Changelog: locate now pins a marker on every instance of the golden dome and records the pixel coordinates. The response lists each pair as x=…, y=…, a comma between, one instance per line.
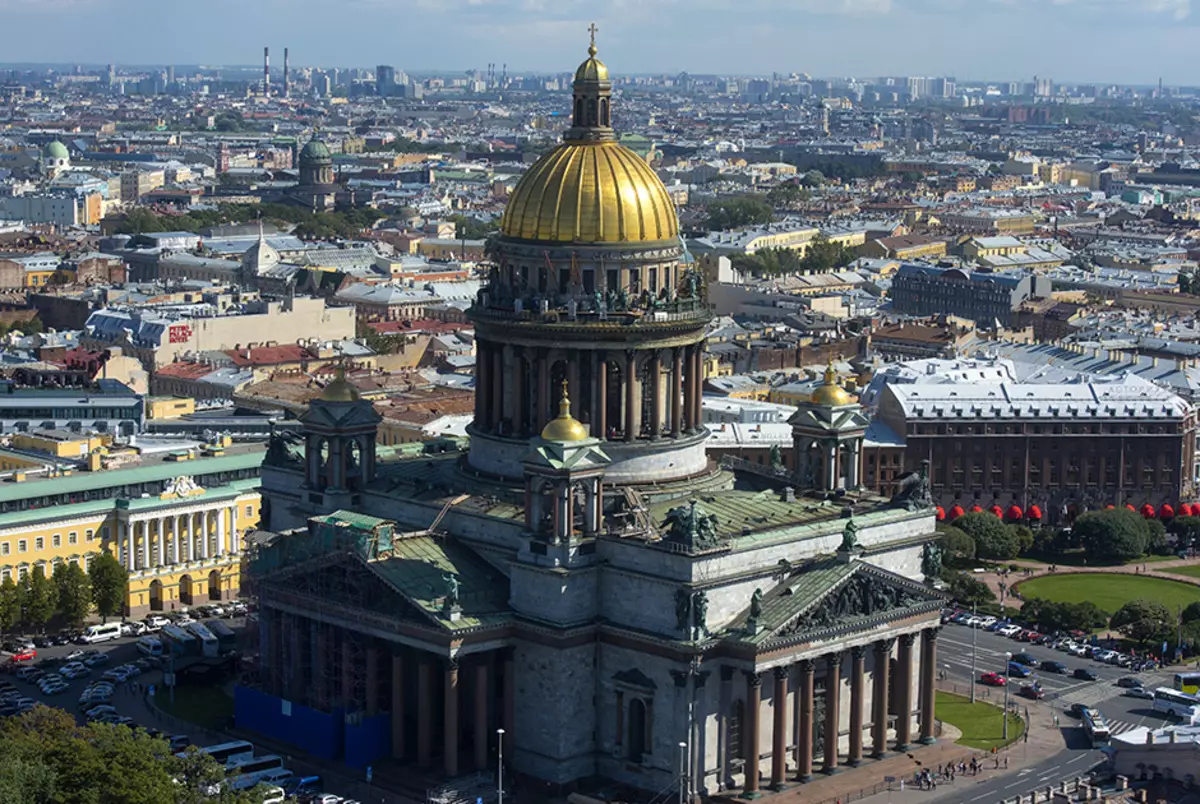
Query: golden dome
x=340, y=390
x=590, y=192
x=593, y=69
x=565, y=427
x=830, y=393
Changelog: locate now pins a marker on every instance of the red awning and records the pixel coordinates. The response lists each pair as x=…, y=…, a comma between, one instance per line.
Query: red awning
x=1148, y=511
x=956, y=512
x=975, y=509
x=1166, y=511
x=1130, y=507
x=941, y=514
x=1108, y=507
x=996, y=511
x=1015, y=513
x=1035, y=512
x=1185, y=509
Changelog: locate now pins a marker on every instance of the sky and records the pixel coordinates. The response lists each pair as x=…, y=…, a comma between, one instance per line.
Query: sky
x=1101, y=41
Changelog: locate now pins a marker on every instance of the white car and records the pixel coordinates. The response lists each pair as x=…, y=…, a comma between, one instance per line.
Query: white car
x=1009, y=630
x=133, y=628
x=156, y=622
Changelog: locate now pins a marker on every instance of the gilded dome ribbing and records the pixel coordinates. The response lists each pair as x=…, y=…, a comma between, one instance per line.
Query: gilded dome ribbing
x=590, y=192
x=830, y=393
x=565, y=427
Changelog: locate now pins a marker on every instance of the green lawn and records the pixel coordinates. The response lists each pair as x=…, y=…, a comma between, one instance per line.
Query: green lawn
x=205, y=706
x=1109, y=591
x=980, y=723
x=1192, y=571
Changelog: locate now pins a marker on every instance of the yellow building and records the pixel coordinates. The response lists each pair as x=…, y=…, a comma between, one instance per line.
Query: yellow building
x=169, y=407
x=59, y=443
x=176, y=521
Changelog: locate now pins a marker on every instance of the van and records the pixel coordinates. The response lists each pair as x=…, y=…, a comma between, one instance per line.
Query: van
x=150, y=646
x=99, y=633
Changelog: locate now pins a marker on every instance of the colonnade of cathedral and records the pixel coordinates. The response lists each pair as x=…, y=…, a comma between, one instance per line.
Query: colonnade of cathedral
x=623, y=394
x=810, y=730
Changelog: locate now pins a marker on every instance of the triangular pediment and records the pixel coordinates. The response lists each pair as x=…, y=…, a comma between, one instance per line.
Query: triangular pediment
x=834, y=597
x=830, y=420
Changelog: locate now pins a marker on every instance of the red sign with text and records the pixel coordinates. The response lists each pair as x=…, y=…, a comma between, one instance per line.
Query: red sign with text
x=180, y=333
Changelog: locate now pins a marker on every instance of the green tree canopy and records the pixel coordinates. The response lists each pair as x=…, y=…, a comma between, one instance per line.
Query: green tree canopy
x=993, y=539
x=10, y=605
x=1186, y=529
x=1024, y=537
x=739, y=211
x=1113, y=536
x=41, y=599
x=49, y=759
x=958, y=546
x=1144, y=620
x=824, y=255
x=1192, y=613
x=74, y=592
x=1054, y=616
x=768, y=262
x=813, y=178
x=467, y=227
x=787, y=195
x=110, y=582
x=967, y=590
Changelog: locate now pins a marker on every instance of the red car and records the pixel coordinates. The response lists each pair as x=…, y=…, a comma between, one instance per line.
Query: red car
x=1033, y=691
x=24, y=655
x=993, y=679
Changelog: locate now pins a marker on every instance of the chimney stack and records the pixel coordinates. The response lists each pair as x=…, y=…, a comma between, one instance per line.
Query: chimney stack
x=285, y=72
x=267, y=72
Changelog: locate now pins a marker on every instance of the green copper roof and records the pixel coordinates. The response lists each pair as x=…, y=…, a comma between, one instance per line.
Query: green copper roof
x=56, y=150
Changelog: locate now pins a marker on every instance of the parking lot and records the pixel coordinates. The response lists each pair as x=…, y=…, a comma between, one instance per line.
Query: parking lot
x=992, y=653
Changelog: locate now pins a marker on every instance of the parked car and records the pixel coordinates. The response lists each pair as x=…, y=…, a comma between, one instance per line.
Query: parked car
x=25, y=654
x=96, y=660
x=133, y=628
x=1085, y=674
x=1025, y=659
x=992, y=679
x=1009, y=630
x=1054, y=667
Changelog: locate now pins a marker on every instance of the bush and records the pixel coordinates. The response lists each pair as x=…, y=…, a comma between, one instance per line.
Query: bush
x=1156, y=538
x=1186, y=530
x=1192, y=613
x=1024, y=537
x=1113, y=536
x=967, y=590
x=1144, y=620
x=1054, y=616
x=993, y=539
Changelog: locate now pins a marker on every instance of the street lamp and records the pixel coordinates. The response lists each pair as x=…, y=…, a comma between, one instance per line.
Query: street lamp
x=683, y=752
x=1007, y=661
x=500, y=768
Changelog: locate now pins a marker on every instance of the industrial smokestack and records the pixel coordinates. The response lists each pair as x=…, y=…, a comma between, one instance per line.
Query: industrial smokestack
x=285, y=72
x=266, y=71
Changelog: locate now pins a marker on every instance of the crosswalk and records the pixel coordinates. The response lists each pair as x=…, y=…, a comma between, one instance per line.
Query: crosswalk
x=1116, y=727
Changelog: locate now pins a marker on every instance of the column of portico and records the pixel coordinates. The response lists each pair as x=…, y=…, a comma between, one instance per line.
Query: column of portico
x=656, y=395
x=904, y=678
x=857, y=673
x=879, y=707
x=833, y=704
x=221, y=545
x=753, y=704
x=450, y=720
x=779, y=741
x=424, y=712
x=804, y=703
x=160, y=525
x=676, y=391
x=695, y=402
x=928, y=683
x=145, y=525
x=630, y=395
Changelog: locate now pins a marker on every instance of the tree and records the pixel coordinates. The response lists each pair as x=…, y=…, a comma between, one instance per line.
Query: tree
x=1156, y=537
x=743, y=210
x=768, y=262
x=1192, y=613
x=787, y=195
x=1144, y=621
x=41, y=599
x=1111, y=537
x=74, y=592
x=1185, y=282
x=993, y=539
x=109, y=584
x=813, y=178
x=10, y=606
x=824, y=255
x=1186, y=530
x=1051, y=616
x=1024, y=537
x=468, y=228
x=956, y=545
x=49, y=759
x=967, y=590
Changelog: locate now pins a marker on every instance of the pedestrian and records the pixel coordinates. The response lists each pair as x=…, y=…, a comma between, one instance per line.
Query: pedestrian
x=1006, y=761
x=901, y=785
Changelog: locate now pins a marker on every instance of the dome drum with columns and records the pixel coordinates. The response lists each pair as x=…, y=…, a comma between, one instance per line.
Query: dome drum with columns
x=588, y=288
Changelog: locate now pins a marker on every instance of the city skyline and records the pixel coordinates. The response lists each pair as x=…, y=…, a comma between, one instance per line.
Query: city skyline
x=1048, y=38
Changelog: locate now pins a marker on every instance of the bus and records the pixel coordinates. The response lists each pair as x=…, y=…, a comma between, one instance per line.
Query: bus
x=226, y=638
x=99, y=633
x=1187, y=682
x=208, y=642
x=150, y=646
x=247, y=773
x=1097, y=728
x=179, y=641
x=1177, y=704
x=228, y=754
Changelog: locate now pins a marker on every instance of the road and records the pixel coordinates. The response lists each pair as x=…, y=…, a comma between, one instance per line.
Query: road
x=1063, y=756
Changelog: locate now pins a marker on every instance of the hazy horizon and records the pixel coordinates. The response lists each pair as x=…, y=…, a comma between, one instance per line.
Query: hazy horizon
x=1069, y=41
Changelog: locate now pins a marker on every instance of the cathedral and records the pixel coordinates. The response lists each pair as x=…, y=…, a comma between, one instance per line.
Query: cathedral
x=583, y=588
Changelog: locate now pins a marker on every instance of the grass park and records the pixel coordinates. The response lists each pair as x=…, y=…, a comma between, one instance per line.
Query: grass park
x=1191, y=572
x=981, y=724
x=1111, y=591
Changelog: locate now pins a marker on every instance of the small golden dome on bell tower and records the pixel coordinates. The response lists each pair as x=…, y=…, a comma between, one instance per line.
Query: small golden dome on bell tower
x=566, y=427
